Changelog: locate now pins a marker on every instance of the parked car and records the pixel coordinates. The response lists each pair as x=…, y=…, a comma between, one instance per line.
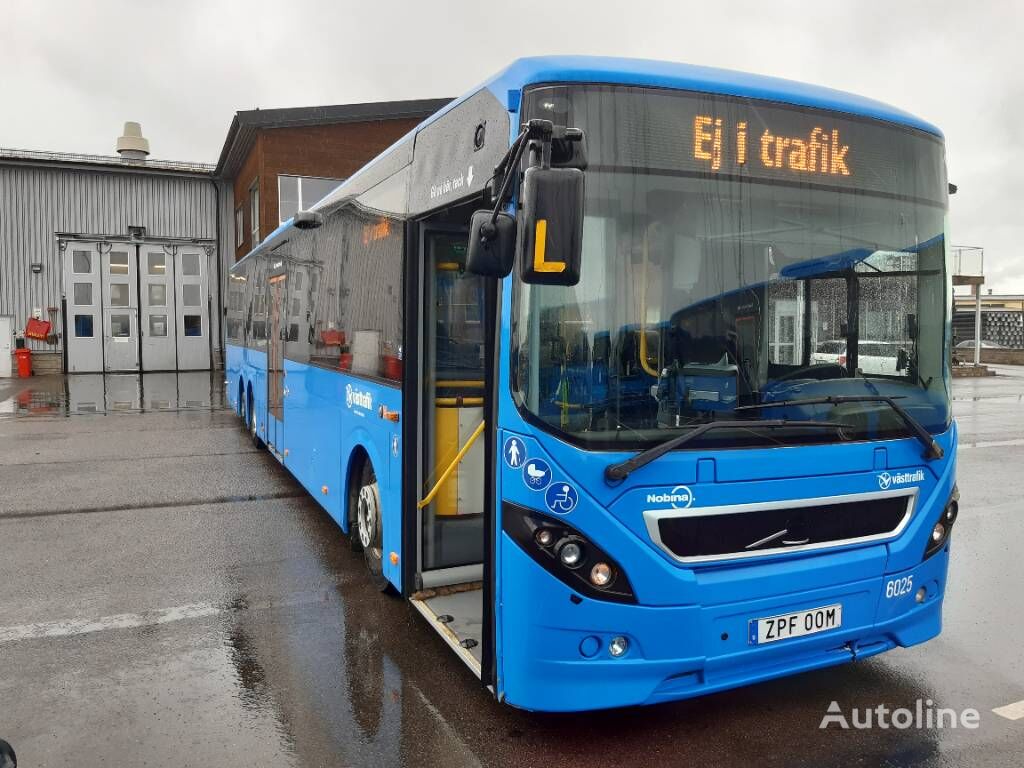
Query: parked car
x=878, y=357
x=985, y=344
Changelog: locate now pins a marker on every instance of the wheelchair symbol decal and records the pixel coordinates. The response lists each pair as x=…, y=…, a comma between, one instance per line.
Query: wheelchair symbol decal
x=536, y=474
x=561, y=498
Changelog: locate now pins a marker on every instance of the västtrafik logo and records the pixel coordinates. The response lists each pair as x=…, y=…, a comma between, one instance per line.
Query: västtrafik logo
x=358, y=398
x=887, y=480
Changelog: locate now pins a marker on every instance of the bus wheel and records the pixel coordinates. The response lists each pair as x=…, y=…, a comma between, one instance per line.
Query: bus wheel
x=370, y=527
x=253, y=433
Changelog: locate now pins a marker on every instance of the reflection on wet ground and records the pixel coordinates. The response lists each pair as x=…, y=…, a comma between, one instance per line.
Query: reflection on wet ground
x=106, y=393
x=195, y=606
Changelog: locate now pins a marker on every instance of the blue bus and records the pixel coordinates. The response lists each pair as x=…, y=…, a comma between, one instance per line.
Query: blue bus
x=632, y=377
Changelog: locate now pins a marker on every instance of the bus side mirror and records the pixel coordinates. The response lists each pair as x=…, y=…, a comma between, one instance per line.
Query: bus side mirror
x=492, y=246
x=551, y=229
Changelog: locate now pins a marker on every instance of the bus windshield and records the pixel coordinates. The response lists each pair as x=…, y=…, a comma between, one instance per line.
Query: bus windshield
x=738, y=253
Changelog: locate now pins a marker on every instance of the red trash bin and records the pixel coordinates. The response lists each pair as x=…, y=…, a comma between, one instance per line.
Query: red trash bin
x=24, y=358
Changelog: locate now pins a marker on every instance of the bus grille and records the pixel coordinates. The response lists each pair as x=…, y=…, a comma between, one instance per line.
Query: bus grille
x=754, y=530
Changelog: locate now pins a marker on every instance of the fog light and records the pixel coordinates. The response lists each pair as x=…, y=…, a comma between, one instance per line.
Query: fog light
x=920, y=595
x=601, y=575
x=544, y=537
x=951, y=512
x=618, y=646
x=571, y=554
x=938, y=532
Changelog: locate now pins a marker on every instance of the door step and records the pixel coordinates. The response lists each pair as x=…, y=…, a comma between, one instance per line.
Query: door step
x=456, y=615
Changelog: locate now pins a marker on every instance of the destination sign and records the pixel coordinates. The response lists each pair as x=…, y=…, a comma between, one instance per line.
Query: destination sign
x=662, y=131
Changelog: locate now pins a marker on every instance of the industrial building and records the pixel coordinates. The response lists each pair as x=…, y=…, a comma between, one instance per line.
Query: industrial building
x=124, y=256
x=118, y=254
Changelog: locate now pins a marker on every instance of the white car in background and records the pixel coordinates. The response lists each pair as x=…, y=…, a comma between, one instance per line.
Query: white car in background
x=877, y=357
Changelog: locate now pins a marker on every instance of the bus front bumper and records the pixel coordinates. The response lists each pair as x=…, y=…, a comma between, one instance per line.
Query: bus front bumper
x=555, y=654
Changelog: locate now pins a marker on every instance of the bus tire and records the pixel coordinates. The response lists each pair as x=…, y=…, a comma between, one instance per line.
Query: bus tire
x=370, y=527
x=253, y=431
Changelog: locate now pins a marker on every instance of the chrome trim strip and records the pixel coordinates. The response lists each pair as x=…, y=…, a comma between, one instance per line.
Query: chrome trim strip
x=653, y=516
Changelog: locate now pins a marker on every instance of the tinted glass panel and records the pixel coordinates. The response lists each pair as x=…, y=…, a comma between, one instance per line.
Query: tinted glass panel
x=190, y=295
x=83, y=294
x=193, y=325
x=83, y=326
x=119, y=294
x=120, y=326
x=156, y=263
x=119, y=262
x=158, y=325
x=81, y=262
x=190, y=263
x=157, y=295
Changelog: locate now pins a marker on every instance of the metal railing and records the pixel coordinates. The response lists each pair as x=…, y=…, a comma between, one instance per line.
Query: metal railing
x=968, y=260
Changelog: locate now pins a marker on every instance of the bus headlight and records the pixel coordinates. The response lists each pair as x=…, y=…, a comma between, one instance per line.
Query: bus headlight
x=571, y=554
x=566, y=554
x=618, y=646
x=601, y=575
x=944, y=525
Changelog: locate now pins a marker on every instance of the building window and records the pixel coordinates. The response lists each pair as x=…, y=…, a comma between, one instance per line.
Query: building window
x=190, y=296
x=121, y=326
x=83, y=326
x=190, y=264
x=158, y=325
x=193, y=325
x=119, y=294
x=254, y=213
x=157, y=263
x=300, y=193
x=81, y=263
x=119, y=262
x=239, y=226
x=157, y=295
x=83, y=294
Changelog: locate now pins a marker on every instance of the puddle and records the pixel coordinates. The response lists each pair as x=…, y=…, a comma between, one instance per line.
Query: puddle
x=115, y=393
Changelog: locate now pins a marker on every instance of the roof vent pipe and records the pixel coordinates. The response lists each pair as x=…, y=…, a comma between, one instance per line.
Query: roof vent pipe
x=132, y=145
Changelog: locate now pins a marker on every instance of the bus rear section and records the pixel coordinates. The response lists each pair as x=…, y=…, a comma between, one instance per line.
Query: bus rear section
x=697, y=499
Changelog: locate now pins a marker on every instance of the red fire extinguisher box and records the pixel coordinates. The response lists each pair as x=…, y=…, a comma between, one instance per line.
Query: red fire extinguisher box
x=37, y=329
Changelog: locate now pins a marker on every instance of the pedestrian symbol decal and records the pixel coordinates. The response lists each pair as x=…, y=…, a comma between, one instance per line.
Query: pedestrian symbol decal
x=536, y=474
x=561, y=498
x=515, y=452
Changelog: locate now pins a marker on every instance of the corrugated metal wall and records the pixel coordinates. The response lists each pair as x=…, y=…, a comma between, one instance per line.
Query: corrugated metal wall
x=36, y=202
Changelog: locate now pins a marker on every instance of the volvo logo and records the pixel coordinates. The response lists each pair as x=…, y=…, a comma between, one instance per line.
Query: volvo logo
x=790, y=542
x=680, y=497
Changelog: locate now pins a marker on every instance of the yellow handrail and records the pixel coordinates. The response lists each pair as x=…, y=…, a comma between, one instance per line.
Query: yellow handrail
x=458, y=401
x=644, y=362
x=451, y=467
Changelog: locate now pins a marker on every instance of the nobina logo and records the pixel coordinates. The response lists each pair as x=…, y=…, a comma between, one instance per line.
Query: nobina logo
x=886, y=479
x=680, y=497
x=355, y=396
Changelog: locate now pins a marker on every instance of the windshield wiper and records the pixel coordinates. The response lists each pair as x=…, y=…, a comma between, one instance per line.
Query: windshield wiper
x=932, y=449
x=620, y=470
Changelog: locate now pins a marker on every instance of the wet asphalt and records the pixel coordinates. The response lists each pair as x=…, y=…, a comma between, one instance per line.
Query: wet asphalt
x=170, y=597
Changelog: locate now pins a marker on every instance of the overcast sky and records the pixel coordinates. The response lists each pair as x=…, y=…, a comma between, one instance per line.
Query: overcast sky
x=73, y=72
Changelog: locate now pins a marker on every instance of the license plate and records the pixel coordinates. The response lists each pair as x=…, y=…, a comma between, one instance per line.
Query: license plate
x=774, y=628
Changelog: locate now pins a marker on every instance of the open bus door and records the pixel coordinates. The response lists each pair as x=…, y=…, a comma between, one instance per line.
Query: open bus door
x=451, y=527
